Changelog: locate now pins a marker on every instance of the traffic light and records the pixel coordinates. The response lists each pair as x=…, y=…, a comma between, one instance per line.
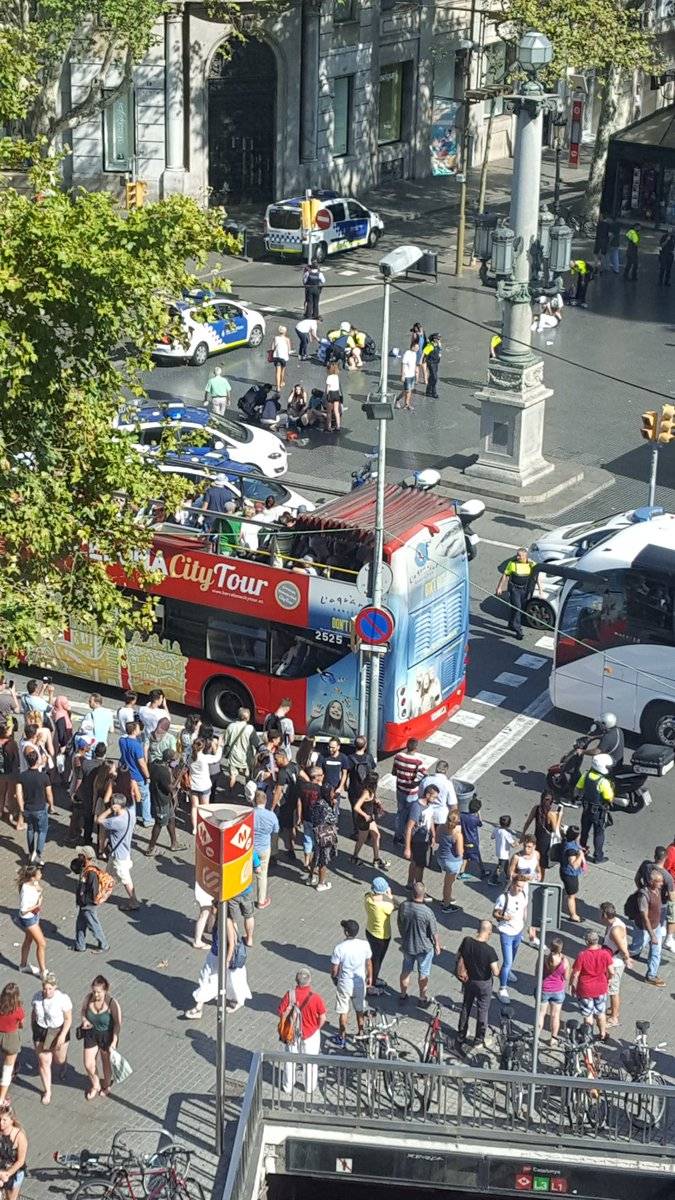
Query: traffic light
x=649, y=429
x=667, y=423
x=136, y=193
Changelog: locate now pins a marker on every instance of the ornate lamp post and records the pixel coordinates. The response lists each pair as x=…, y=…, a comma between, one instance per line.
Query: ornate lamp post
x=513, y=401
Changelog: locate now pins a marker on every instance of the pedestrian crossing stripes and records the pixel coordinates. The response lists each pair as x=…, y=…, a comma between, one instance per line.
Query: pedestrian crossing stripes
x=493, y=699
x=440, y=738
x=546, y=642
x=510, y=679
x=464, y=717
x=532, y=662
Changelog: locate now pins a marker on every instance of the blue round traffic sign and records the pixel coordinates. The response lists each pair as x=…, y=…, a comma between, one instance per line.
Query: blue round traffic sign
x=374, y=625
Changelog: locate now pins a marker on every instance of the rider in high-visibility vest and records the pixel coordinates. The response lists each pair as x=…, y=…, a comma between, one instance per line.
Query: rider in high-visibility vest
x=584, y=273
x=596, y=792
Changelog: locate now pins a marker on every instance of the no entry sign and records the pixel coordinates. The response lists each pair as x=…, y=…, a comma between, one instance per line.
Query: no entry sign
x=374, y=626
x=323, y=219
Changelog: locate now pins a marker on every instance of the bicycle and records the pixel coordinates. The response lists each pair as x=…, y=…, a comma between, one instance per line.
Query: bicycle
x=637, y=1066
x=578, y=225
x=379, y=1041
x=581, y=1058
x=514, y=1055
x=118, y=1175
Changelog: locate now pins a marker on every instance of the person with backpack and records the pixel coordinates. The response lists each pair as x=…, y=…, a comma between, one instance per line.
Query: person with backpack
x=302, y=1015
x=361, y=766
x=645, y=908
x=92, y=890
x=119, y=822
x=280, y=723
x=239, y=745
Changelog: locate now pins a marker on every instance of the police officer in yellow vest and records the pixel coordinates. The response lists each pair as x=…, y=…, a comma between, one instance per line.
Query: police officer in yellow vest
x=632, y=247
x=596, y=792
x=583, y=272
x=517, y=580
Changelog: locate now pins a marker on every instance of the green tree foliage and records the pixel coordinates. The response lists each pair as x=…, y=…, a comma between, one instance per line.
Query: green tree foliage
x=584, y=33
x=83, y=289
x=38, y=38
x=605, y=35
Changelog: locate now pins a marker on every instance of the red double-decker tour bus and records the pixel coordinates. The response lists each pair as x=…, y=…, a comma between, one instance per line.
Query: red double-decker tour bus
x=235, y=630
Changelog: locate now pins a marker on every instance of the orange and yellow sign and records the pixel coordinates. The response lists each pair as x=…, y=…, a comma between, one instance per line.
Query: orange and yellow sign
x=224, y=850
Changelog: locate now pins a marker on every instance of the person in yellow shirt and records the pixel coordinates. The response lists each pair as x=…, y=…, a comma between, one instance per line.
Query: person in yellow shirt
x=380, y=904
x=495, y=343
x=516, y=580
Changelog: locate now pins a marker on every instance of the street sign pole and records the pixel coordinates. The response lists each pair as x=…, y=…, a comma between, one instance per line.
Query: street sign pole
x=653, y=473
x=363, y=689
x=378, y=548
x=221, y=1026
x=540, y=978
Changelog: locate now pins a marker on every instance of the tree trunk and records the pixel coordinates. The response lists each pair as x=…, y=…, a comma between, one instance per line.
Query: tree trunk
x=482, y=187
x=613, y=112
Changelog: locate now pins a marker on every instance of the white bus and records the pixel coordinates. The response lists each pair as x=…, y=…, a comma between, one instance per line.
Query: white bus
x=615, y=631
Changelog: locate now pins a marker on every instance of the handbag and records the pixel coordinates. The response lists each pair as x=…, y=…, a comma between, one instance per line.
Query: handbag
x=120, y=1068
x=238, y=959
x=270, y=356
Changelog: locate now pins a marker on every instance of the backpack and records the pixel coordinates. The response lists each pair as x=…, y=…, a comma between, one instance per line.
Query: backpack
x=272, y=724
x=359, y=773
x=630, y=908
x=106, y=884
x=290, y=1022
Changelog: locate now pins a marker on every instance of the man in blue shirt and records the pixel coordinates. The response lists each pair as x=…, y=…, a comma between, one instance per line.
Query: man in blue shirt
x=132, y=754
x=265, y=827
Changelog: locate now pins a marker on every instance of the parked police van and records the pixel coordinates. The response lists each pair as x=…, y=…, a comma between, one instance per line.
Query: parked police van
x=339, y=223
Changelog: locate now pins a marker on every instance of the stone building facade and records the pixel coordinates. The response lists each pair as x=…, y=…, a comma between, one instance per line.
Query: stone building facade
x=338, y=93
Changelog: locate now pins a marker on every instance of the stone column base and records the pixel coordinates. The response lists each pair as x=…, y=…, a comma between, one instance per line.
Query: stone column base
x=173, y=180
x=512, y=425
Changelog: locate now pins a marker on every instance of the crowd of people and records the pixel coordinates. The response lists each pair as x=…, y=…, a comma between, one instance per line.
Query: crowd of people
x=117, y=771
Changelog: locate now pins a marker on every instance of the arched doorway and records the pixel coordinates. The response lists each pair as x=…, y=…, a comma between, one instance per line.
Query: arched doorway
x=242, y=93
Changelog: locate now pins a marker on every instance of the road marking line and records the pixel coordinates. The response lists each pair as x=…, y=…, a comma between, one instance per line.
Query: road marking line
x=506, y=739
x=504, y=545
x=427, y=759
x=532, y=661
x=546, y=642
x=493, y=699
x=349, y=295
x=510, y=679
x=387, y=783
x=463, y=717
x=440, y=738
x=349, y=273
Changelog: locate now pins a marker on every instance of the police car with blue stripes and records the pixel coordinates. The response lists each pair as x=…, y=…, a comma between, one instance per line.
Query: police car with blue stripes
x=207, y=322
x=339, y=223
x=256, y=449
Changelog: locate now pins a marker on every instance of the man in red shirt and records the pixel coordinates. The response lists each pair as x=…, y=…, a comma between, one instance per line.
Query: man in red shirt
x=310, y=1017
x=593, y=968
x=408, y=768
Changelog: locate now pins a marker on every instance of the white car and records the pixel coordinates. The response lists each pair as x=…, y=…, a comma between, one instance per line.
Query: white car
x=257, y=449
x=342, y=223
x=571, y=541
x=210, y=322
x=205, y=466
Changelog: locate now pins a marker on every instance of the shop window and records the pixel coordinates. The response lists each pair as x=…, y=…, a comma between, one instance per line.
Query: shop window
x=343, y=89
x=391, y=104
x=118, y=133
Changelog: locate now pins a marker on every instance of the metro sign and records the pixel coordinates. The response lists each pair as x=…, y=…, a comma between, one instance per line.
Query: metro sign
x=224, y=850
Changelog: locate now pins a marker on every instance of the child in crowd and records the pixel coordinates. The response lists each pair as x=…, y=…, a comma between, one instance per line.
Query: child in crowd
x=471, y=825
x=504, y=842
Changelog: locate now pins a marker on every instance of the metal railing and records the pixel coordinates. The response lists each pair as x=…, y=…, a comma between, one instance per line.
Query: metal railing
x=538, y=1111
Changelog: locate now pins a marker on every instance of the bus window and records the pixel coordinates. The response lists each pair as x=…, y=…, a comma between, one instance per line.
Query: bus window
x=236, y=641
x=630, y=608
x=185, y=624
x=298, y=653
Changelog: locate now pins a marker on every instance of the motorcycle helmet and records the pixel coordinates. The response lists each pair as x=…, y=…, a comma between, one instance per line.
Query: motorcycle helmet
x=608, y=721
x=602, y=763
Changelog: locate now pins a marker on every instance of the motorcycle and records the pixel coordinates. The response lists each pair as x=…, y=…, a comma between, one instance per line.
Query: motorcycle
x=630, y=784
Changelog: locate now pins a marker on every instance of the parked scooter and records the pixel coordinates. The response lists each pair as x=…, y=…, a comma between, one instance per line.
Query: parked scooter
x=630, y=782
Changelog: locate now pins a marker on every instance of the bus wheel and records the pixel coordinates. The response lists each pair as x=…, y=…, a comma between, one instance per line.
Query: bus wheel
x=223, y=699
x=658, y=724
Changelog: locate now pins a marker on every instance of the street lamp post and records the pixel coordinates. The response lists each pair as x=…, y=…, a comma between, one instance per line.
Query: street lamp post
x=400, y=260
x=513, y=402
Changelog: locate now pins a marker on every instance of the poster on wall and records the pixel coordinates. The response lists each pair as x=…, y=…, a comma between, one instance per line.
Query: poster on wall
x=444, y=137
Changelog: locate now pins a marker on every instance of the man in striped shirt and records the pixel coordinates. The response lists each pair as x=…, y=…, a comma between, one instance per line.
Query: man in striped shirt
x=408, y=769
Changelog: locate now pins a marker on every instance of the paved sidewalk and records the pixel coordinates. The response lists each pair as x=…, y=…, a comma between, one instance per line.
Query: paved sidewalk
x=152, y=969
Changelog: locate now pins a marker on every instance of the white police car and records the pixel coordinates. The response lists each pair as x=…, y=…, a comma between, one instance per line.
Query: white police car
x=205, y=466
x=209, y=322
x=257, y=449
x=340, y=224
